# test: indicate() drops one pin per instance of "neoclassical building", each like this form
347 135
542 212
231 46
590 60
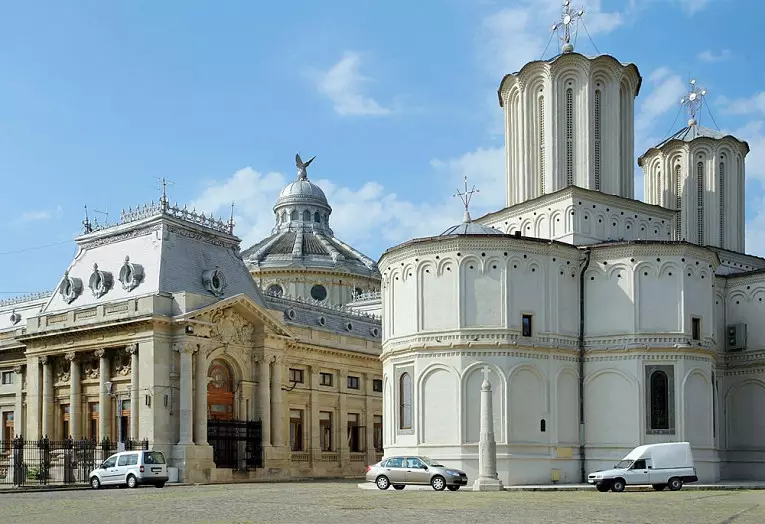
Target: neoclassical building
158 331
605 322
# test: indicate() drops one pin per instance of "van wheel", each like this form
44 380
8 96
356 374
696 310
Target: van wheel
95 483
675 484
602 487
617 486
131 482
659 487
399 487
382 482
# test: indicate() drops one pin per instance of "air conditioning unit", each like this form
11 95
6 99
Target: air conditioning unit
735 337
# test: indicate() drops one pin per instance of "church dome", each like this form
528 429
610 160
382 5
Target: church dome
471 228
302 191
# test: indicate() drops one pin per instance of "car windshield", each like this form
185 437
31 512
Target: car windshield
153 457
624 464
430 462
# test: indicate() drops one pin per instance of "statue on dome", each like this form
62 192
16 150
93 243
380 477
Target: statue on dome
302 173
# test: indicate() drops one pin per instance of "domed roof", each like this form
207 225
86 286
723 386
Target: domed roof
302 191
688 134
468 227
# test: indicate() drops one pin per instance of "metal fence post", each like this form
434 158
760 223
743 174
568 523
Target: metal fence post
19 473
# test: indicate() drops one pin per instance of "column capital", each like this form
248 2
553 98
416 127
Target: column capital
71 356
276 359
17 369
100 352
185 347
131 349
45 360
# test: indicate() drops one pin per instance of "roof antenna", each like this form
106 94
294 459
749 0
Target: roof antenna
87 227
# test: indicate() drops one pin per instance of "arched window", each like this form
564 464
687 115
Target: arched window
569 136
541 125
678 202
405 401
276 290
316 217
659 391
294 215
721 189
596 144
700 201
659 192
306 216
284 216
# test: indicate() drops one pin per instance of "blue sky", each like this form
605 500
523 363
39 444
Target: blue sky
397 100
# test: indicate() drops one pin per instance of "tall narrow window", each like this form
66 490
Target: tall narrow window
405 401
659 192
659 400
569 136
596 152
721 190
700 201
678 202
541 126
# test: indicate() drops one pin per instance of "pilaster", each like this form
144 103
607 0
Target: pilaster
369 419
277 405
314 445
104 411
342 440
186 423
200 397
32 430
75 397
18 409
132 350
264 400
47 396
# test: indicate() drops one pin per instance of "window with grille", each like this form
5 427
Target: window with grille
541 125
721 189
569 136
700 201
596 153
678 201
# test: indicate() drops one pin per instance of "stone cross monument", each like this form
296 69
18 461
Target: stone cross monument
487 480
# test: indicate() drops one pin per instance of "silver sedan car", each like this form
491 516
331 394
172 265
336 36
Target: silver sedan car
401 471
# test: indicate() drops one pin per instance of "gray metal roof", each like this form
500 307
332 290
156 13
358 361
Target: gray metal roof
471 228
693 132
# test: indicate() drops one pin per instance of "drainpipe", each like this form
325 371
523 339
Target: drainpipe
585 265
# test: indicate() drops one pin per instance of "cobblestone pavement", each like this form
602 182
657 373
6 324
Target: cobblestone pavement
337 502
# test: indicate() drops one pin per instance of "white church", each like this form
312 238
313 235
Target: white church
606 322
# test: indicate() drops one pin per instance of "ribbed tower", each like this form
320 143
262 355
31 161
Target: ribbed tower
700 173
569 121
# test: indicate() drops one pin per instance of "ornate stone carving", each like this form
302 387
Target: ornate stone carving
185 346
230 328
131 275
61 373
122 364
15 318
131 349
91 369
45 360
17 369
70 288
70 356
99 352
100 282
214 281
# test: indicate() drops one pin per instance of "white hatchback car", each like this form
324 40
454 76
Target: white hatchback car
131 468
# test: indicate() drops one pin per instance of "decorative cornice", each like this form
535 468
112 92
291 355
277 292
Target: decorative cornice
26 298
120 237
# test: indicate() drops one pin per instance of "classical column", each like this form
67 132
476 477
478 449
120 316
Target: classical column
264 390
315 440
75 404
103 394
369 421
344 453
200 408
277 411
18 423
132 350
186 427
47 396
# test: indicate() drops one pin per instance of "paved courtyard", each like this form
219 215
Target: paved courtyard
345 502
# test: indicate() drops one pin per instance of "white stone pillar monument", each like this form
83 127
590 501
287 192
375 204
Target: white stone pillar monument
132 350
487 480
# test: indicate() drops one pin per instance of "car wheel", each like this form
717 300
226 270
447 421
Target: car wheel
659 487
382 482
159 485
95 483
438 483
131 482
602 486
675 483
453 488
617 486
398 486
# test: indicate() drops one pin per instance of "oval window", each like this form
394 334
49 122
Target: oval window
318 292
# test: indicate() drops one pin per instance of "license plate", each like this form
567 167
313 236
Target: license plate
156 470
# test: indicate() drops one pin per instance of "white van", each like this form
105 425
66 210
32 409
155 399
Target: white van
658 465
131 468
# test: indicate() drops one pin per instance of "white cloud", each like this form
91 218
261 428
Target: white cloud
709 56
694 6
668 89
742 106
343 83
37 215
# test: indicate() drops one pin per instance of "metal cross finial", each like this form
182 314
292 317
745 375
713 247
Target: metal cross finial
693 100
231 220
164 203
465 197
567 19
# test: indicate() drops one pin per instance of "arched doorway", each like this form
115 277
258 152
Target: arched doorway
220 391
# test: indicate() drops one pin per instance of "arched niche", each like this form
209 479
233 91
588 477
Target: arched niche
220 390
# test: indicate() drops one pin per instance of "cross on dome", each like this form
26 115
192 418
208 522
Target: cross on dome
567 19
465 197
693 101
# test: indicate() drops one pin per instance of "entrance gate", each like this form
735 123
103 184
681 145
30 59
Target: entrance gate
237 444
